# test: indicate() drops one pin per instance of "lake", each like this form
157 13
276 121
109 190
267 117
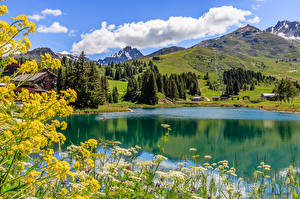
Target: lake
243 136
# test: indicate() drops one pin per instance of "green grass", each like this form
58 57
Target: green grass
121 85
201 60
103 109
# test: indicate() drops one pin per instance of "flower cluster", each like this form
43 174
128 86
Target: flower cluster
50 62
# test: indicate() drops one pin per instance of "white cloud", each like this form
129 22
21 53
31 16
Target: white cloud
36 17
44 13
54 28
260 0
255 19
72 33
55 13
255 7
159 33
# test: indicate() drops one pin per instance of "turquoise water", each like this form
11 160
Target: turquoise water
244 136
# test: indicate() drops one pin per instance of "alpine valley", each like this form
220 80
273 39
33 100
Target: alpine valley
274 51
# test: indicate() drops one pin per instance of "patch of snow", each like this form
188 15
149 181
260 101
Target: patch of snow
289 38
64 52
128 55
286 26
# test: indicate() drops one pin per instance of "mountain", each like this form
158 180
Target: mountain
286 29
250 41
165 51
69 56
248 47
37 52
123 55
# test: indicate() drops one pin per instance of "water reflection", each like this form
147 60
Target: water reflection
244 142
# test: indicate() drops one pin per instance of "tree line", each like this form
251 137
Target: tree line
124 71
237 79
145 87
85 79
286 90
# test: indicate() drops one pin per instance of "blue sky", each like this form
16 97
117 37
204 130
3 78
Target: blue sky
60 23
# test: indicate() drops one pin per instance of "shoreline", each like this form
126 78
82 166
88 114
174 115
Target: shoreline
114 109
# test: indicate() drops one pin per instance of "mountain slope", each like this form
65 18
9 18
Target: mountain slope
249 41
123 55
165 51
247 47
37 52
201 60
286 29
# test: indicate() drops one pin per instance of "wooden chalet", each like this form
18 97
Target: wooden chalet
44 80
215 98
246 97
268 96
197 99
224 97
156 58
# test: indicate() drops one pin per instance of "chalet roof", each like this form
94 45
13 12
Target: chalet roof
30 77
40 90
267 95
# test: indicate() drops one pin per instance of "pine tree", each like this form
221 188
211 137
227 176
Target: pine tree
109 98
60 80
149 89
94 87
159 82
115 95
172 89
252 87
206 76
132 89
194 89
236 88
104 89
82 82
118 74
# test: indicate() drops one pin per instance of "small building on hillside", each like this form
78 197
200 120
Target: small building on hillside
268 96
235 98
215 98
156 58
246 98
197 99
224 97
43 80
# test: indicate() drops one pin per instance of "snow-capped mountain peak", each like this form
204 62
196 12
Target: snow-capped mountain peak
123 55
286 29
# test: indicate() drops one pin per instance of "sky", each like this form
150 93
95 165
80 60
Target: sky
101 27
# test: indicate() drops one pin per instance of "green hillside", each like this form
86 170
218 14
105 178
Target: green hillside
250 41
202 60
247 47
